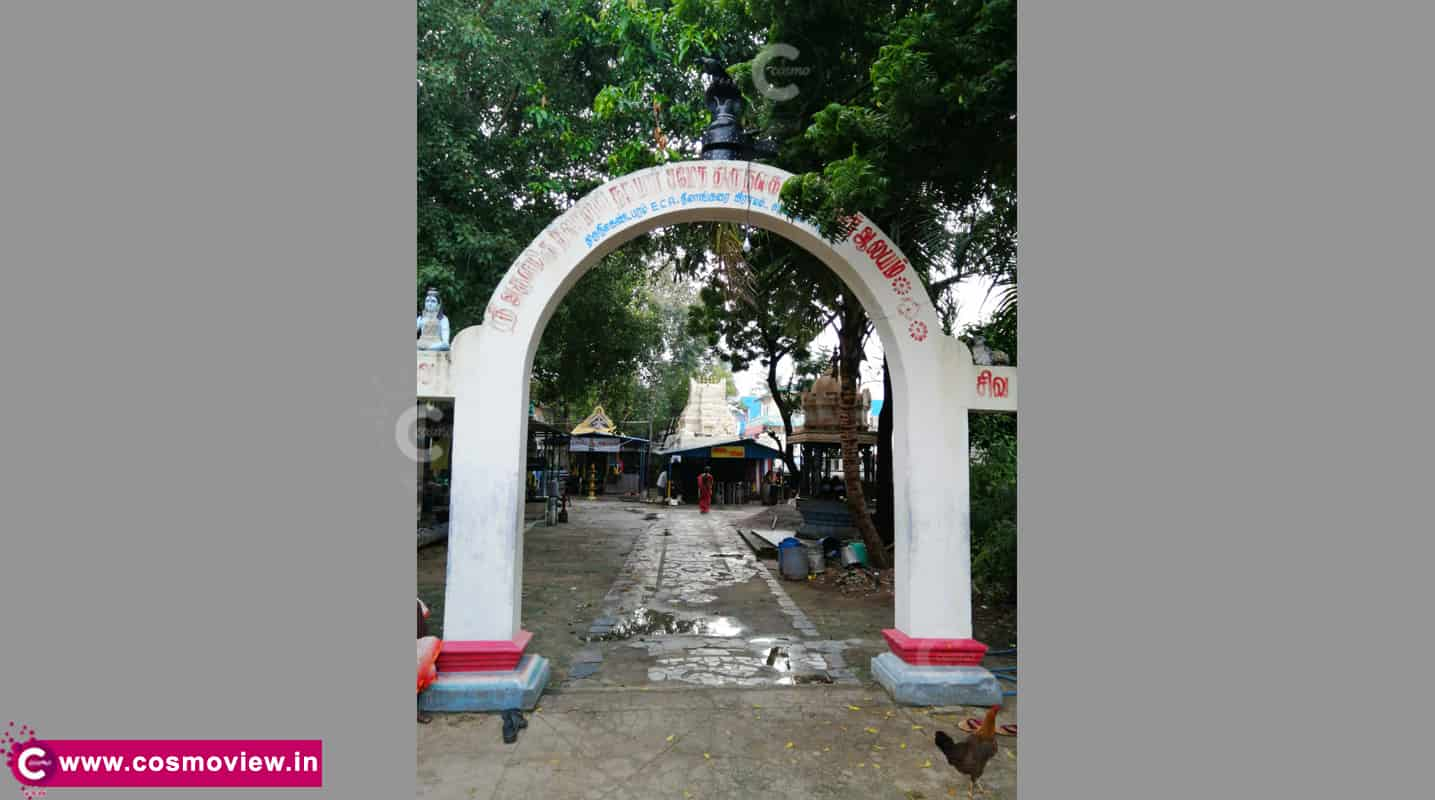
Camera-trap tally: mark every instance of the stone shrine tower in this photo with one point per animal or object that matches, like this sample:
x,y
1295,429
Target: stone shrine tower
x,y
706,416
820,405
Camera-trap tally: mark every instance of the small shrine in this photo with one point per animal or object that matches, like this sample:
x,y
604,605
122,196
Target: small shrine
x,y
821,486
819,440
604,461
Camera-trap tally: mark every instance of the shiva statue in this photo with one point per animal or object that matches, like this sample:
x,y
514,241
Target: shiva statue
x,y
432,324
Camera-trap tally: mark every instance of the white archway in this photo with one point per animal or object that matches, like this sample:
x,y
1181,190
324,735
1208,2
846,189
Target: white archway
x,y
934,659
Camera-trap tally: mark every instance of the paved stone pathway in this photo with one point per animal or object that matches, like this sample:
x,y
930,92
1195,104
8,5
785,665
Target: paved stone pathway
x,y
692,598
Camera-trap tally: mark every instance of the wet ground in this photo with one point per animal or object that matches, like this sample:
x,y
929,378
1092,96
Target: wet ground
x,y
659,617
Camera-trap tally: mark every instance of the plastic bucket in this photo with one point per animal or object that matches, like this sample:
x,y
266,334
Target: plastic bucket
x,y
792,562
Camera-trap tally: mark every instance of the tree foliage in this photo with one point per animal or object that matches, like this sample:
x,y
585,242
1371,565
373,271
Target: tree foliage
x,y
523,108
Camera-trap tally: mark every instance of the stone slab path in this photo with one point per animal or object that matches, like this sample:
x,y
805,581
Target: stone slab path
x,y
694,602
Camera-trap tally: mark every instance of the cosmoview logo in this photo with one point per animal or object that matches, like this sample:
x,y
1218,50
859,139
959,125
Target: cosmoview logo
x,y
764,71
35,762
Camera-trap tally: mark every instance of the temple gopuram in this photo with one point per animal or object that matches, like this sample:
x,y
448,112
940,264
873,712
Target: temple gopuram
x,y
706,435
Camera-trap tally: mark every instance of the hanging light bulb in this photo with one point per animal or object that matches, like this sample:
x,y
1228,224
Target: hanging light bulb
x,y
746,241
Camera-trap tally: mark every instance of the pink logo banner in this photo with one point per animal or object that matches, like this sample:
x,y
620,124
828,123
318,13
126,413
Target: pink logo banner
x,y
166,763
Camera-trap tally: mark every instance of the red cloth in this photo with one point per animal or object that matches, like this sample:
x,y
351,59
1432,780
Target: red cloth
x,y
428,650
705,492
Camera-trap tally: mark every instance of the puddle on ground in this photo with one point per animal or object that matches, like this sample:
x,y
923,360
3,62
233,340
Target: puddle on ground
x,y
733,663
650,622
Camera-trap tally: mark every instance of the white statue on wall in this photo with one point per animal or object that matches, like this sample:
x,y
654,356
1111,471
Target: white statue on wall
x,y
432,324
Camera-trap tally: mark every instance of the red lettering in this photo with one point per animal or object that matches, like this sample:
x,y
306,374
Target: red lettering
x,y
864,238
501,318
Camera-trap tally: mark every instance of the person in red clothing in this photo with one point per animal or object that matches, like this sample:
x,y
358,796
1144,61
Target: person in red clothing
x,y
705,490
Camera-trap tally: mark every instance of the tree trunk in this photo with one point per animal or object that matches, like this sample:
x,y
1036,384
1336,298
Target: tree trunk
x,y
850,343
885,488
785,410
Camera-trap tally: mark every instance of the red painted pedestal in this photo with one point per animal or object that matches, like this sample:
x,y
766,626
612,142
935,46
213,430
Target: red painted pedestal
x,y
499,656
931,652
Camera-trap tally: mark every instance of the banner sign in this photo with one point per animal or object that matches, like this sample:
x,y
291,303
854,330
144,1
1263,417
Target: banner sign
x,y
582,444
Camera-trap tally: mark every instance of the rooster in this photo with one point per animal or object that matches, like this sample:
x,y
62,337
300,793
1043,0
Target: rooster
x,y
970,757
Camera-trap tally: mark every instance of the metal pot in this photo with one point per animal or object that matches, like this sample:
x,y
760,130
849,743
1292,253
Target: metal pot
x,y
854,553
816,559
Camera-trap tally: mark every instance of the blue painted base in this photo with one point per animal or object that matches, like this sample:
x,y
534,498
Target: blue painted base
x,y
936,686
488,691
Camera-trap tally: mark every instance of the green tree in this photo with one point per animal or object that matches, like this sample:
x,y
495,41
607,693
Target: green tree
x,y
993,477
760,308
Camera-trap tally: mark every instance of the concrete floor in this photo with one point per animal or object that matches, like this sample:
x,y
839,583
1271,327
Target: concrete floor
x,y
704,743
666,625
